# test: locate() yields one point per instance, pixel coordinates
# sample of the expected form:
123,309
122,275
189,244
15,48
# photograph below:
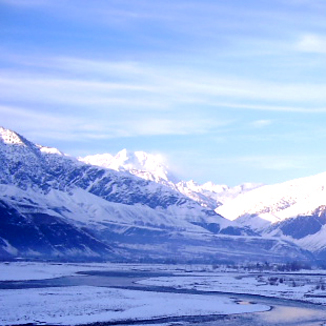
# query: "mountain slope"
280,201
292,210
37,234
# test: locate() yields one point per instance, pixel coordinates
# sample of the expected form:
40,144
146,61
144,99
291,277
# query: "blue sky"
227,91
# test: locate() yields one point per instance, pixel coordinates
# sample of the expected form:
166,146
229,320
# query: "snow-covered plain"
82,304
23,271
309,287
87,304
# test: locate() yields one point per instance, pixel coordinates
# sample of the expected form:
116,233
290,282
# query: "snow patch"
10,137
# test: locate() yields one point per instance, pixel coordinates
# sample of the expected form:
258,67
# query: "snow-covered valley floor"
86,304
307,287
82,304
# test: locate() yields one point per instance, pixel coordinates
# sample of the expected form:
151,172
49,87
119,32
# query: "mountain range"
152,167
293,210
130,207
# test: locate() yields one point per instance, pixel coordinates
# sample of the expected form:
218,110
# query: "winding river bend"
282,312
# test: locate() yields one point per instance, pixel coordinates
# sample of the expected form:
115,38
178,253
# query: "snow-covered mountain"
291,210
278,202
212,195
261,208
147,166
55,207
152,167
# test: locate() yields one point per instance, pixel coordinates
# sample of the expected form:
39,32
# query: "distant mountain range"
129,207
151,167
293,210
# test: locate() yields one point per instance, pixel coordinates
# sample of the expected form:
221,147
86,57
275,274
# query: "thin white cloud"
312,43
99,67
83,82
261,123
197,85
62,126
266,162
171,126
273,108
49,125
176,16
274,162
89,99
78,92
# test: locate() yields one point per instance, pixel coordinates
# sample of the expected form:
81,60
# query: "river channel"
282,312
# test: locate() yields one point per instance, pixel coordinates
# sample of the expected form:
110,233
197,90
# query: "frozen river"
279,312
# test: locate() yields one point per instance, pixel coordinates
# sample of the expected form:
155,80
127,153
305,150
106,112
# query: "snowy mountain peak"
147,166
10,137
131,160
141,161
123,155
102,160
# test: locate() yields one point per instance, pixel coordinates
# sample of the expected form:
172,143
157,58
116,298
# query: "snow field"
86,304
295,287
23,271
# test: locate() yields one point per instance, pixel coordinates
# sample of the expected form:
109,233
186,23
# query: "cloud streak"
312,43
64,126
273,162
74,81
261,123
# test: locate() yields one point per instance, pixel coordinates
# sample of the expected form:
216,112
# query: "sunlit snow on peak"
10,137
147,166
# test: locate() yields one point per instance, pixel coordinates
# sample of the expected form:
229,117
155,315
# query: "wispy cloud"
261,123
275,162
78,92
74,81
312,43
45,125
201,85
177,126
63,125
99,100
204,17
